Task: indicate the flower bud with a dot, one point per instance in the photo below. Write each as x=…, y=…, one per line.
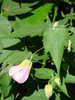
x=48, y=90
x=69, y=46
x=57, y=80
x=20, y=73
x=55, y=25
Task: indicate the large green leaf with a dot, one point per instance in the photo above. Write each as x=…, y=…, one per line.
x=27, y=30
x=54, y=40
x=5, y=26
x=37, y=95
x=43, y=73
x=39, y=14
x=12, y=8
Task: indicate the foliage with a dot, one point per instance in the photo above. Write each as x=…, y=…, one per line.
x=42, y=31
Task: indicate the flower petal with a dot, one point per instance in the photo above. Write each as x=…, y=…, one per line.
x=21, y=76
x=14, y=69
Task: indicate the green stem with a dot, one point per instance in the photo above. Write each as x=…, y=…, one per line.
x=36, y=52
x=55, y=13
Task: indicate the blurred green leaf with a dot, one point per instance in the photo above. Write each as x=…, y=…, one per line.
x=39, y=14
x=72, y=1
x=0, y=89
x=5, y=26
x=12, y=8
x=43, y=73
x=10, y=98
x=37, y=95
x=57, y=97
x=0, y=0
x=54, y=40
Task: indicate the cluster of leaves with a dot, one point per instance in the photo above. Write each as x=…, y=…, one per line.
x=28, y=26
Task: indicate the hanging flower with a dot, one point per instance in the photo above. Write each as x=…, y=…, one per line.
x=20, y=73
x=48, y=90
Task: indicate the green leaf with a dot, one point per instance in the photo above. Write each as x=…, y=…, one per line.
x=0, y=89
x=10, y=98
x=70, y=78
x=9, y=55
x=1, y=47
x=37, y=95
x=72, y=37
x=63, y=88
x=9, y=42
x=17, y=23
x=39, y=14
x=5, y=90
x=43, y=73
x=54, y=40
x=5, y=80
x=57, y=97
x=5, y=26
x=0, y=0
x=28, y=30
x=12, y=8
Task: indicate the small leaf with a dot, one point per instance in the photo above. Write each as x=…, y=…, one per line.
x=37, y=95
x=54, y=40
x=43, y=73
x=12, y=8
x=39, y=14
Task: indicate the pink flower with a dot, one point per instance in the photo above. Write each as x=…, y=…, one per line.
x=20, y=73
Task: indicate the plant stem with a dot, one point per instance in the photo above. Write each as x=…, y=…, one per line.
x=55, y=13
x=36, y=52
